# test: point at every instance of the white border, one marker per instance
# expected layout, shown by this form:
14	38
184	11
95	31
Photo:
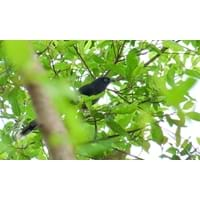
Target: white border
99	180
95	19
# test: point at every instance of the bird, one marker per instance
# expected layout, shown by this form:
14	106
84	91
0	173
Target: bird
30	127
95	87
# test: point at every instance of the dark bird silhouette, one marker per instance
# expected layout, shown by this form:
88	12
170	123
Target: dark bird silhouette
96	87
31	126
93	88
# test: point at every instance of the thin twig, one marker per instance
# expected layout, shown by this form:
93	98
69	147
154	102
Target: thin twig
120	96
41	52
102	139
163	49
113	44
119	52
156	56
82	59
118	56
189	49
178	53
127	153
52	64
95	126
54	69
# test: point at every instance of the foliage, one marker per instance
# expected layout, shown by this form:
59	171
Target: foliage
152	84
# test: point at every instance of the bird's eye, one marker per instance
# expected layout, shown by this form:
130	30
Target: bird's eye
106	80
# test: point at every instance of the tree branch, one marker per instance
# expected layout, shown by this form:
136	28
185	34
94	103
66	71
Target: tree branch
83	61
163	49
96	128
48	118
155	57
119	52
118	56
127	153
41	52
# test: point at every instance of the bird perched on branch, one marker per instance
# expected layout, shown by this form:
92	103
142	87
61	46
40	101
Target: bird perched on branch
96	87
31	126
93	88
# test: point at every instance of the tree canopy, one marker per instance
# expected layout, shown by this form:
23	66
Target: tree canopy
152	87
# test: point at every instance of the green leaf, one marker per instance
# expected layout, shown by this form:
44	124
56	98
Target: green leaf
45	62
186	147
194	115
188	105
157	134
123	120
3	77
196	61
175	157
172	150
198	140
181	116
14	101
117	69
132	63
115	126
133	42
97	59
138	72
171	76
192	73
146	145
172	45
95	150
176	95
152	47
19	52
169	120
88	45
132	59
178	136
40	45
125	108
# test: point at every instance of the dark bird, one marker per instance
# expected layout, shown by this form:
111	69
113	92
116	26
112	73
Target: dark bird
96	87
93	88
31	126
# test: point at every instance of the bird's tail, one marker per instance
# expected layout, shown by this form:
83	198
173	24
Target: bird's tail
30	127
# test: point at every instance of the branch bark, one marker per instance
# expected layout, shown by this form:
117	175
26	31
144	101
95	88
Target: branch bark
48	118
83	61
156	56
